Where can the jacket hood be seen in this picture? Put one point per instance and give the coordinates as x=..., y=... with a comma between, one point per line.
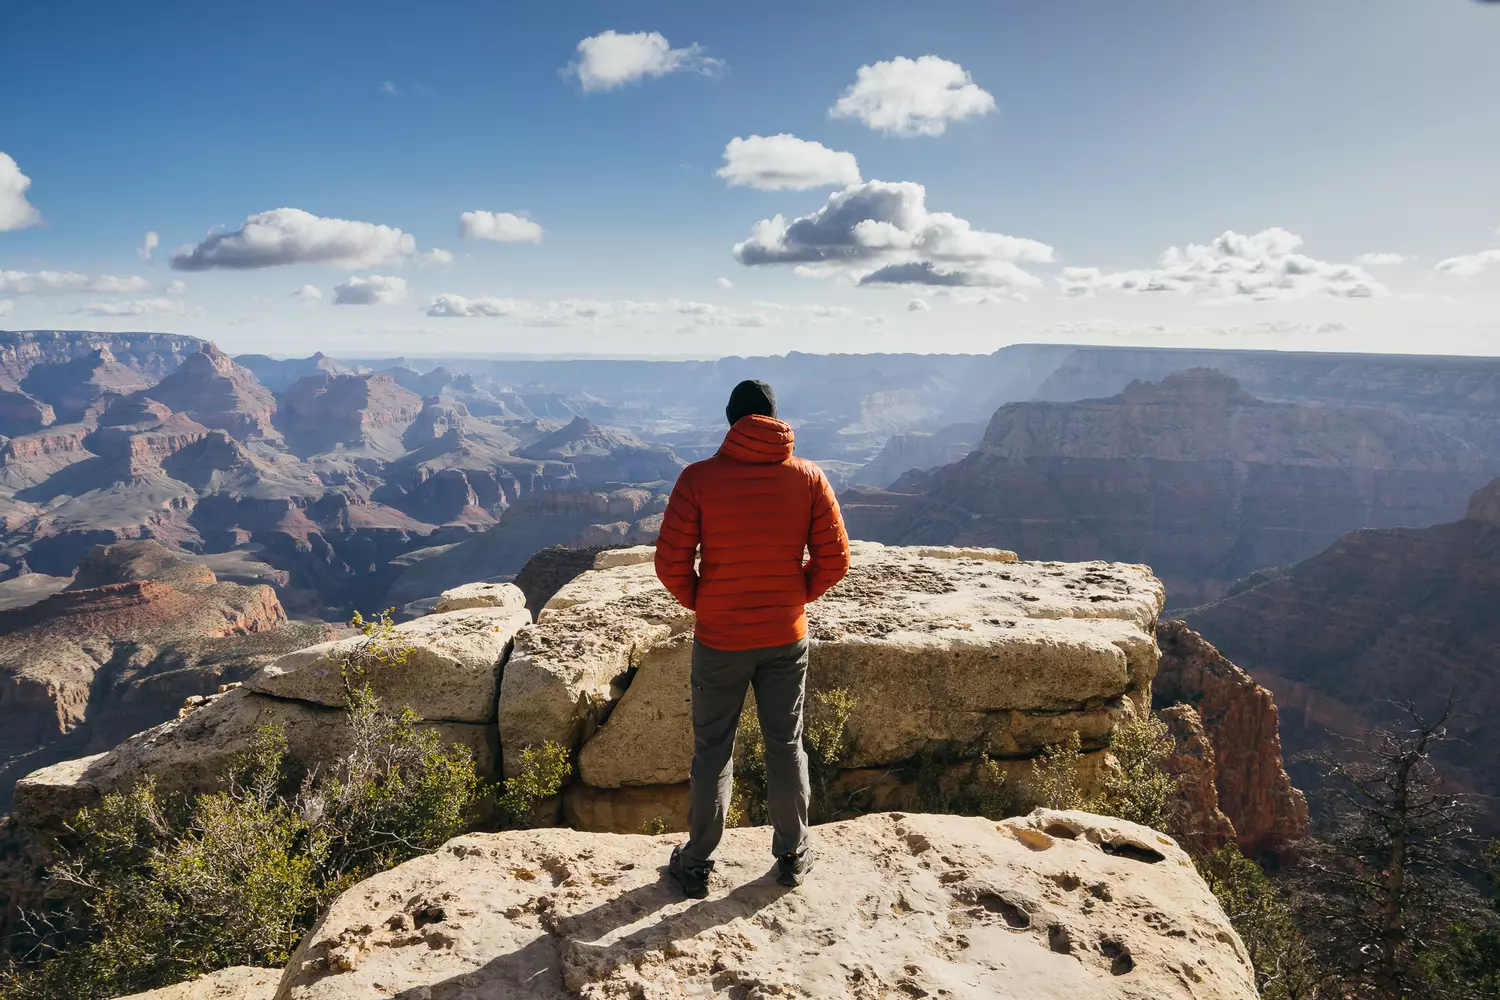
x=758, y=439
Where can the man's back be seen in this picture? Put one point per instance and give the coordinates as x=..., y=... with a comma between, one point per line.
x=753, y=508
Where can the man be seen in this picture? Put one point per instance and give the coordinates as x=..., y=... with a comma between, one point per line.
x=752, y=509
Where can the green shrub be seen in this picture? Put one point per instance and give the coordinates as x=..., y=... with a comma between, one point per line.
x=1140, y=791
x=539, y=776
x=1054, y=779
x=1265, y=921
x=163, y=888
x=381, y=647
x=827, y=741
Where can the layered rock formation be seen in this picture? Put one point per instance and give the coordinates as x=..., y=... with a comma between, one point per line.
x=949, y=652
x=1240, y=722
x=919, y=450
x=218, y=393
x=1379, y=617
x=1198, y=478
x=138, y=630
x=1052, y=905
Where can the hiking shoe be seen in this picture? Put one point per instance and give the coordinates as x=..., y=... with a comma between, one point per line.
x=694, y=882
x=792, y=869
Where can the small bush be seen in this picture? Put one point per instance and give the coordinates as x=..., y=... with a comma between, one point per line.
x=381, y=647
x=1055, y=775
x=1265, y=921
x=540, y=775
x=1140, y=791
x=163, y=888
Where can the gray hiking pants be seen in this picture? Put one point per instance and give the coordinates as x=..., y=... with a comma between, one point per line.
x=720, y=678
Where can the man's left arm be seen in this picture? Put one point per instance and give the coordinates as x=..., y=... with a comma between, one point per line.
x=827, y=540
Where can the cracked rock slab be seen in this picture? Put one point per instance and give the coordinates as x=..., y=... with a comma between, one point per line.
x=1043, y=907
x=243, y=982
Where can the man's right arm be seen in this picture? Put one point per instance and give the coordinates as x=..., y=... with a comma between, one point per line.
x=677, y=545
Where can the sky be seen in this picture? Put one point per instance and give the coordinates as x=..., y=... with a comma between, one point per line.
x=695, y=180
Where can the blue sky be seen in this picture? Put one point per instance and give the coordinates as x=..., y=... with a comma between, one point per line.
x=1105, y=133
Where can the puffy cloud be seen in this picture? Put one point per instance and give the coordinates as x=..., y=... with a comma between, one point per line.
x=449, y=306
x=136, y=307
x=308, y=295
x=292, y=236
x=148, y=246
x=883, y=233
x=177, y=287
x=6, y=307
x=724, y=283
x=1379, y=259
x=66, y=282
x=15, y=211
x=918, y=305
x=611, y=59
x=376, y=290
x=910, y=97
x=501, y=227
x=435, y=258
x=1470, y=264
x=786, y=163
x=1263, y=266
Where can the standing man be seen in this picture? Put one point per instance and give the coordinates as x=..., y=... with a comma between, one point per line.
x=752, y=509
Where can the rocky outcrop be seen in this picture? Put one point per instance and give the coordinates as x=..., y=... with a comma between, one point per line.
x=1045, y=907
x=947, y=650
x=22, y=413
x=217, y=393
x=278, y=374
x=546, y=572
x=139, y=630
x=1196, y=821
x=1241, y=722
x=1377, y=619
x=1484, y=506
x=73, y=386
x=1199, y=479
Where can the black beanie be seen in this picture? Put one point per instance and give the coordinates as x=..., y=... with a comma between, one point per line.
x=750, y=396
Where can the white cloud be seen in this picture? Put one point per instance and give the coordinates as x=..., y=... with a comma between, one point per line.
x=148, y=246
x=724, y=283
x=1470, y=264
x=435, y=258
x=910, y=97
x=292, y=236
x=882, y=234
x=136, y=307
x=1380, y=259
x=68, y=282
x=918, y=305
x=6, y=307
x=501, y=227
x=15, y=211
x=593, y=312
x=786, y=163
x=376, y=290
x=1263, y=266
x=388, y=87
x=308, y=295
x=611, y=59
x=177, y=287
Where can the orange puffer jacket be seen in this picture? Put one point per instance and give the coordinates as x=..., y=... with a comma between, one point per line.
x=752, y=508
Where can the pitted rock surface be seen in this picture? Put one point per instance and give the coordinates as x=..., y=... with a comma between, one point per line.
x=1044, y=907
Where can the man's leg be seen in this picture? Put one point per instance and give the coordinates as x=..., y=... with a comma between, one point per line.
x=780, y=694
x=719, y=682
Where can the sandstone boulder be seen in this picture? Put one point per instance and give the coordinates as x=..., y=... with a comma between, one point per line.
x=1052, y=905
x=481, y=595
x=944, y=649
x=192, y=753
x=243, y=982
x=451, y=671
